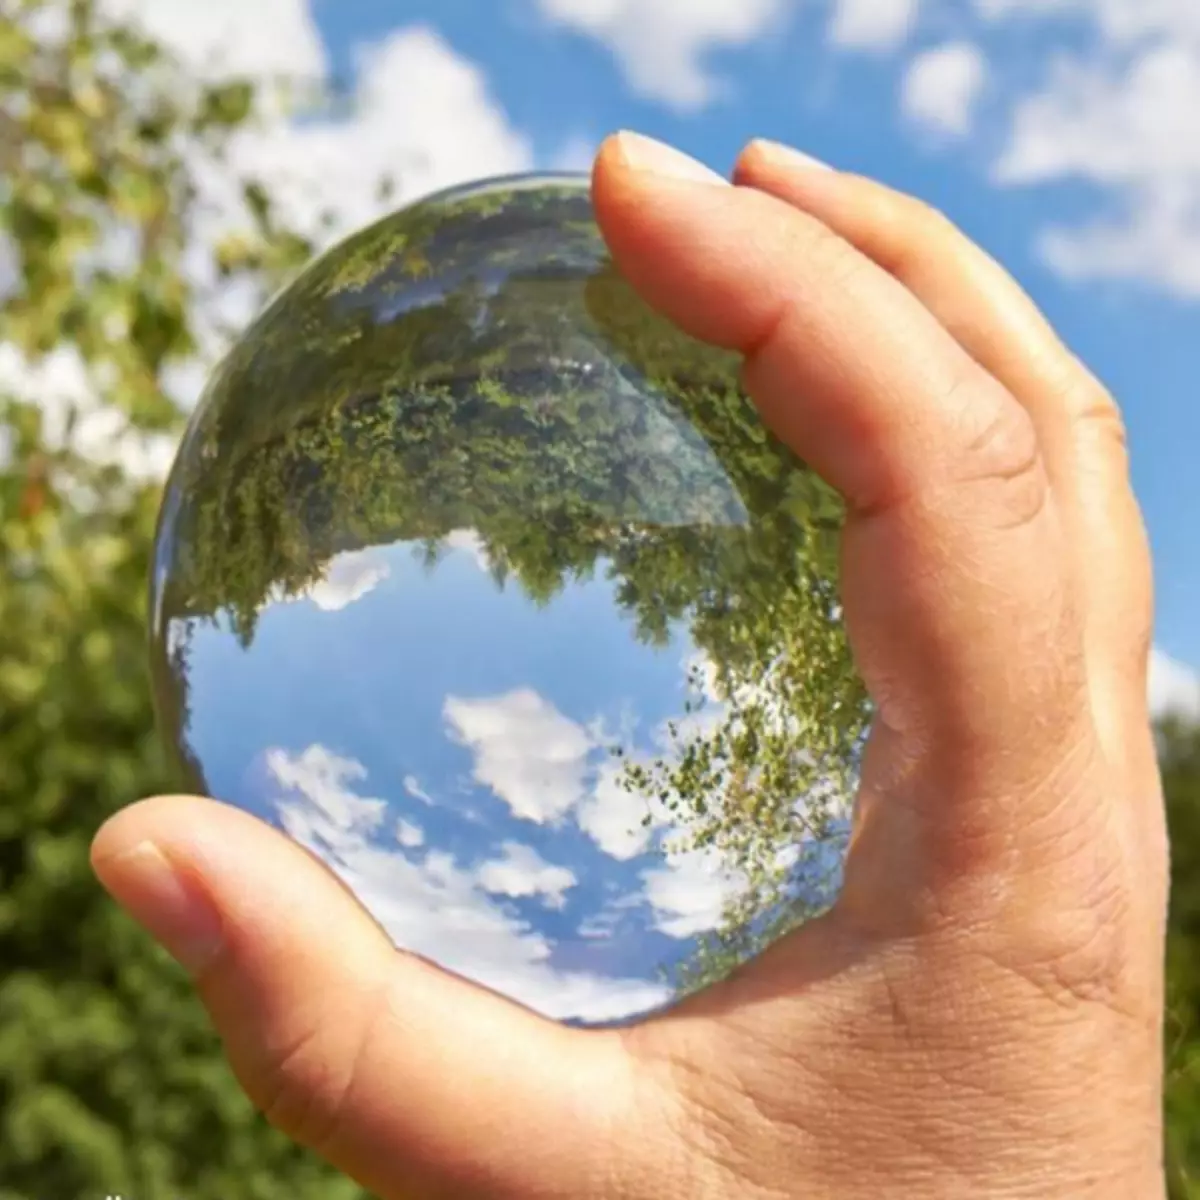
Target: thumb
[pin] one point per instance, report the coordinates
(398, 1073)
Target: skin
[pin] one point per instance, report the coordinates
(980, 1014)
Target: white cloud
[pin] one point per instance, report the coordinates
(58, 384)
(522, 871)
(529, 754)
(538, 762)
(418, 110)
(420, 113)
(323, 779)
(941, 88)
(542, 765)
(1174, 688)
(1121, 21)
(435, 907)
(612, 816)
(1117, 130)
(412, 786)
(410, 836)
(1126, 118)
(689, 893)
(347, 577)
(662, 45)
(467, 541)
(223, 38)
(873, 24)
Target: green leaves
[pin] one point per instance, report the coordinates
(224, 106)
(1180, 757)
(111, 1081)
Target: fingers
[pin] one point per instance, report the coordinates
(954, 574)
(1078, 423)
(401, 1075)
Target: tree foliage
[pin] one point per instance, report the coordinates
(1180, 757)
(110, 1078)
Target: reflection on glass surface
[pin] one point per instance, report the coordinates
(489, 587)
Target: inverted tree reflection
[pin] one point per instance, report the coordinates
(481, 366)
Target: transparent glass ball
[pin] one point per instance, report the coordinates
(484, 583)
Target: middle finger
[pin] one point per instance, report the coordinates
(997, 323)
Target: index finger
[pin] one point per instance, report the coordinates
(955, 587)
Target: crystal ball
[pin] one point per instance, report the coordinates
(483, 582)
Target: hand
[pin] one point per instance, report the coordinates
(979, 1015)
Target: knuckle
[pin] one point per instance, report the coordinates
(834, 260)
(828, 257)
(305, 1087)
(1083, 947)
(1075, 959)
(1078, 970)
(1100, 419)
(1095, 415)
(302, 1095)
(997, 453)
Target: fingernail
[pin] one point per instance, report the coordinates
(645, 154)
(172, 908)
(787, 156)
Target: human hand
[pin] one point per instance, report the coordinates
(979, 1015)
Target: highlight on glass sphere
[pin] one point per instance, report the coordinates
(488, 586)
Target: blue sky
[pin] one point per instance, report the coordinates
(1064, 135)
(444, 745)
(1137, 327)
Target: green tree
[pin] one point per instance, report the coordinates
(1179, 744)
(110, 1078)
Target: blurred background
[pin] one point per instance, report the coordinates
(165, 164)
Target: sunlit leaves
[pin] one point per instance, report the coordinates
(111, 1081)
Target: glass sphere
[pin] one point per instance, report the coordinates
(488, 586)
